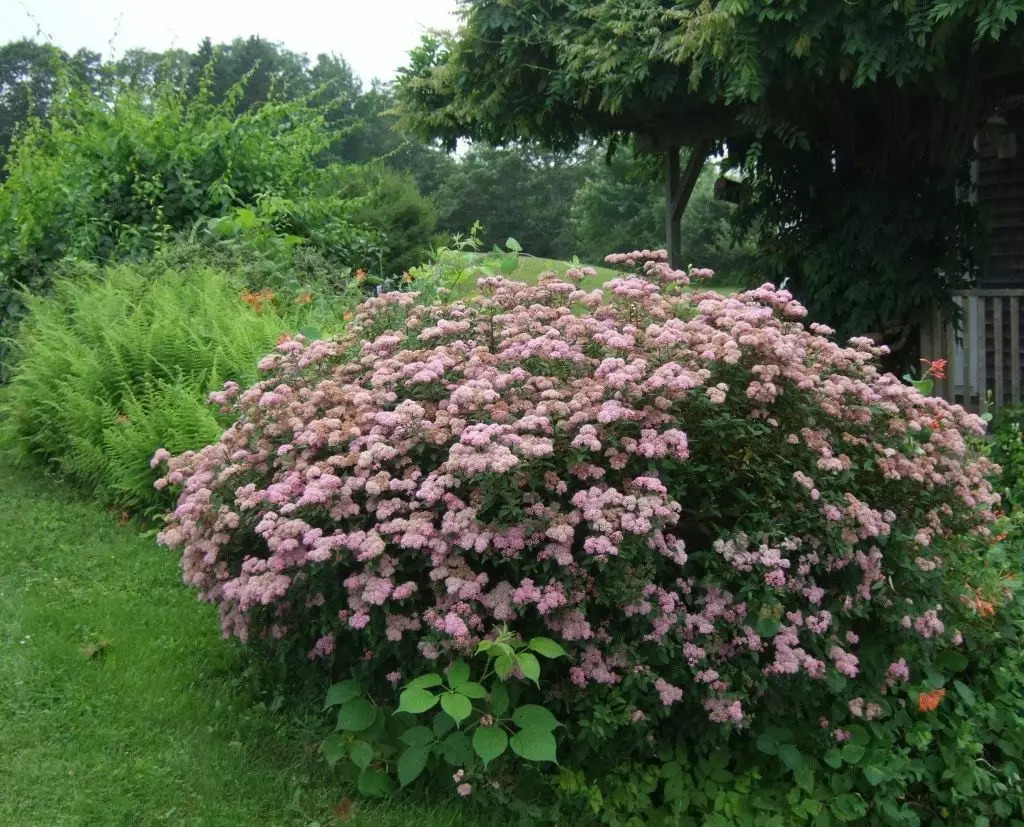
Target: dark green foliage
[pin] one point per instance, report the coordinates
(111, 368)
(621, 206)
(851, 122)
(516, 191)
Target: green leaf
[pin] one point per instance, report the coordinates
(834, 758)
(534, 745)
(374, 783)
(532, 716)
(848, 807)
(768, 627)
(513, 245)
(334, 748)
(804, 777)
(874, 775)
(356, 715)
(458, 673)
(791, 756)
(767, 744)
(443, 723)
(529, 666)
(310, 332)
(417, 736)
(484, 646)
(361, 754)
(836, 682)
(411, 763)
(859, 735)
(342, 692)
(425, 681)
(951, 661)
(499, 700)
(456, 749)
(546, 647)
(458, 706)
(852, 753)
(503, 665)
(416, 700)
(965, 692)
(489, 742)
(472, 689)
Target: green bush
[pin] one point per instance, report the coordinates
(117, 175)
(1007, 450)
(762, 575)
(118, 361)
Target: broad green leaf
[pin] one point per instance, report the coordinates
(483, 646)
(852, 753)
(356, 715)
(471, 689)
(374, 783)
(499, 700)
(503, 665)
(859, 734)
(458, 706)
(532, 716)
(425, 681)
(767, 744)
(513, 245)
(361, 754)
(767, 627)
(458, 674)
(334, 748)
(411, 763)
(416, 701)
(529, 666)
(804, 777)
(874, 775)
(443, 723)
(489, 742)
(417, 736)
(965, 692)
(457, 749)
(848, 807)
(546, 647)
(341, 692)
(951, 661)
(310, 332)
(791, 756)
(834, 758)
(534, 745)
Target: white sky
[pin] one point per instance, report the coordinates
(372, 35)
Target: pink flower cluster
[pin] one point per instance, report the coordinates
(649, 480)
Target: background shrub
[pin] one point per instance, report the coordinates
(119, 360)
(767, 561)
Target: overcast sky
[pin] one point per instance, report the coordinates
(372, 35)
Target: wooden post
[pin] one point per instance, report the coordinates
(673, 238)
(677, 194)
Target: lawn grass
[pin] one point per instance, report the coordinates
(152, 728)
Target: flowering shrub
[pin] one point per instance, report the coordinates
(734, 526)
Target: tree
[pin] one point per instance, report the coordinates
(621, 205)
(30, 74)
(516, 191)
(852, 122)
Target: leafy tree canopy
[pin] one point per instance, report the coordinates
(851, 120)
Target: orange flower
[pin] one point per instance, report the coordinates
(345, 317)
(360, 276)
(284, 337)
(929, 701)
(303, 298)
(935, 368)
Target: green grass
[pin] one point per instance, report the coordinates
(153, 729)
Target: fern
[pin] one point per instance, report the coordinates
(118, 362)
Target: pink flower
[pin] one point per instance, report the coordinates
(464, 789)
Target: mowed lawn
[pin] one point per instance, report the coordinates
(531, 267)
(119, 702)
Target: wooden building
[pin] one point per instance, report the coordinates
(985, 360)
